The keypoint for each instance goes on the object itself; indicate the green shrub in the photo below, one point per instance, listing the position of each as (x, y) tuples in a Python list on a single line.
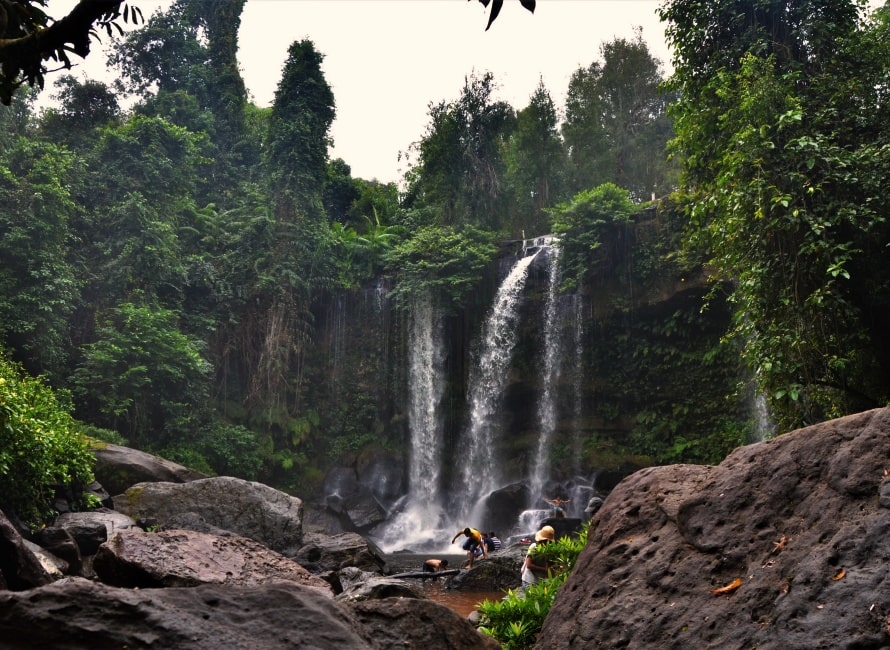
[(102, 435), (40, 449), (516, 619), (186, 456), (232, 450)]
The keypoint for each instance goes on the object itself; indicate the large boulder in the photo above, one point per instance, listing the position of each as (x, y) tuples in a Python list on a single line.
[(782, 546), (357, 585), (61, 544), (245, 508), (75, 613), (54, 566), (184, 558), (117, 468), (19, 567), (340, 484), (413, 623), (502, 508), (321, 553), (88, 529), (363, 511), (497, 573), (362, 495), (382, 474)]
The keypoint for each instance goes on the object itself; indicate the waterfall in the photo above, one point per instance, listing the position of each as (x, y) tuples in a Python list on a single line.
[(764, 427), (578, 374), (550, 372), (338, 335), (479, 473), (420, 516)]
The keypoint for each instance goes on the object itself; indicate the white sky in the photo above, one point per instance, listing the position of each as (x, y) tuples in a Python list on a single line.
[(387, 60)]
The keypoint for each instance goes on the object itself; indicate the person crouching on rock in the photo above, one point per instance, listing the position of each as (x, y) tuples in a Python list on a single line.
[(434, 565), (473, 541)]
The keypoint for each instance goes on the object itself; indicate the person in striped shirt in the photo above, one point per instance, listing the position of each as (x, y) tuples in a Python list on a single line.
[(491, 542)]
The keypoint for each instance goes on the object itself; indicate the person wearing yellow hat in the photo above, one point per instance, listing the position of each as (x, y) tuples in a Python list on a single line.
[(531, 570)]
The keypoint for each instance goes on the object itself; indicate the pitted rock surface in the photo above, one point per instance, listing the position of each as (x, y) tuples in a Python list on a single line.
[(74, 613), (800, 523)]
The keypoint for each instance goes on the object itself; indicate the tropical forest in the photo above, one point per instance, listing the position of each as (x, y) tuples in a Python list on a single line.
[(659, 271)]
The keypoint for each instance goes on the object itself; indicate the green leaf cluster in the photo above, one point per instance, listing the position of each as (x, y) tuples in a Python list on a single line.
[(41, 449), (583, 223), (443, 262)]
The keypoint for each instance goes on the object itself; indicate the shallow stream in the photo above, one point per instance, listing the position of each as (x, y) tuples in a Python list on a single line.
[(460, 601)]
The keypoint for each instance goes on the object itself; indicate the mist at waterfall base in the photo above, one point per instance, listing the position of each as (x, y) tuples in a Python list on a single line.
[(429, 516)]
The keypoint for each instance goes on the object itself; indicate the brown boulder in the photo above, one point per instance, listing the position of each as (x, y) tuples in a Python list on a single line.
[(245, 508), (321, 553), (184, 558), (117, 468), (783, 545), (411, 623), (75, 613), (19, 567)]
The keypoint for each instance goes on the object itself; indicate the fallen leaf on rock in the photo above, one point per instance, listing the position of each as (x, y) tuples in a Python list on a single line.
[(732, 586)]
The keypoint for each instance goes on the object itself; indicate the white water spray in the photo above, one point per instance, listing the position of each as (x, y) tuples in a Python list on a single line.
[(479, 473)]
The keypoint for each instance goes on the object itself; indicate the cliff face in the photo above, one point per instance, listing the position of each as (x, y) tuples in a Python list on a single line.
[(782, 545), (641, 377)]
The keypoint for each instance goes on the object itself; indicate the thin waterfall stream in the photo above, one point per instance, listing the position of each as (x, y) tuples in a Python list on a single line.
[(550, 372), (420, 517)]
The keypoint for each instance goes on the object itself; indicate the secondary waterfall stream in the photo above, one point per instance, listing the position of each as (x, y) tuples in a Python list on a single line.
[(420, 517), (550, 375)]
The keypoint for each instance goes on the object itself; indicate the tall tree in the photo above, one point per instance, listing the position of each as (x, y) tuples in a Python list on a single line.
[(782, 127), (616, 125), (227, 94), (584, 131), (83, 108), (39, 286), (143, 377), (299, 127), (296, 163), (461, 168), (535, 162), (184, 65)]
